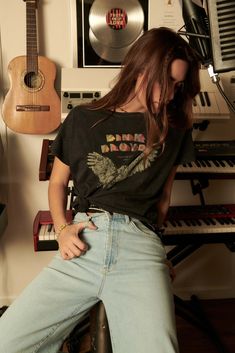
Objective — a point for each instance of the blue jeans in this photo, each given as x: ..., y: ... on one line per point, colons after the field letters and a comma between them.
x: 124, y: 267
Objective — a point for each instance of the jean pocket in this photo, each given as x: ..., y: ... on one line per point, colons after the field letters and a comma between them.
x: 84, y: 217
x: 80, y: 217
x: 142, y: 229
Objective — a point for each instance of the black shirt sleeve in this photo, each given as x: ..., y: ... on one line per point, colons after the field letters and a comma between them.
x: 187, y: 152
x: 61, y: 145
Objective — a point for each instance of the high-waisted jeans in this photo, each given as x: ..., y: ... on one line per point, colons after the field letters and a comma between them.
x: 124, y: 267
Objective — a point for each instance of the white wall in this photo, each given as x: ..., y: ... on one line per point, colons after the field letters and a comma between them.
x: 208, y: 273
x: 20, y: 186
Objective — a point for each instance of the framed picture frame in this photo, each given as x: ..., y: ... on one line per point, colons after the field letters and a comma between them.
x: 103, y: 30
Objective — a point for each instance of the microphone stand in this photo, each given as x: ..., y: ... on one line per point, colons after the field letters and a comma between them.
x: 213, y: 75
x: 190, y: 34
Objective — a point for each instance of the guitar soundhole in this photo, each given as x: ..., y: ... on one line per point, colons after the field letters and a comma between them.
x: 33, y: 81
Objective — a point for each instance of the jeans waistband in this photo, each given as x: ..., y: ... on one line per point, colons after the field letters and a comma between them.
x: 97, y: 210
x: 149, y: 225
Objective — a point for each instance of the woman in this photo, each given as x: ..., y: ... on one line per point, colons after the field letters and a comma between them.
x: 122, y: 153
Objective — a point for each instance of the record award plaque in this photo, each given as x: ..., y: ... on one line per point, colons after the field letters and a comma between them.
x: 106, y: 29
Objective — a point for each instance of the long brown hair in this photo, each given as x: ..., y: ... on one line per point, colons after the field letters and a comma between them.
x: 152, y: 54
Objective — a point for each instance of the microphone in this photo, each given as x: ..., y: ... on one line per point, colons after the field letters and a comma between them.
x: 197, y: 29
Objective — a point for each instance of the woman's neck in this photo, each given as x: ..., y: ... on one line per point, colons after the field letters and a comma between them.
x: 133, y: 106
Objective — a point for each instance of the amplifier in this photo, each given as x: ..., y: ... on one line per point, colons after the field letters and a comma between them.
x: 82, y: 85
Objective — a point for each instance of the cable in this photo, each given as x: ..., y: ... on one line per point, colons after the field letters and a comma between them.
x: 216, y: 80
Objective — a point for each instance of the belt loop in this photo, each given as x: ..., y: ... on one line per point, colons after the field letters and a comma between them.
x: 108, y: 215
x: 127, y: 219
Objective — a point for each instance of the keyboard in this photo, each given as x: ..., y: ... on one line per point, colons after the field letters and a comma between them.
x: 209, y: 104
x: 184, y: 224
x: 44, y: 232
x: 206, y: 224
x: 214, y: 159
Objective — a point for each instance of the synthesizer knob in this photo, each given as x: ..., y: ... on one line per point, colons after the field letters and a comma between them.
x: 69, y: 106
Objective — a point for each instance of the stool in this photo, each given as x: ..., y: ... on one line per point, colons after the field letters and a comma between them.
x: 99, y: 330
x: 91, y: 334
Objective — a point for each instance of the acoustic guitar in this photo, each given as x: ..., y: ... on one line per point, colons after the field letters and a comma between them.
x: 31, y: 105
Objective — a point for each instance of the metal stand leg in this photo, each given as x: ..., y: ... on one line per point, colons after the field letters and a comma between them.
x: 192, y: 311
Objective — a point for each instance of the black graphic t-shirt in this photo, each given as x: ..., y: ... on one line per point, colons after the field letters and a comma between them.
x: 107, y: 164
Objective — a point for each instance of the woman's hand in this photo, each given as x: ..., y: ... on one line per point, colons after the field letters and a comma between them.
x: 70, y: 244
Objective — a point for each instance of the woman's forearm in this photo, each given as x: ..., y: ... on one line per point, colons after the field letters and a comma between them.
x: 57, y: 195
x: 57, y: 192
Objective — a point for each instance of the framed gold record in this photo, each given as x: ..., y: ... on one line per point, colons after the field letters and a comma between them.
x: 106, y: 29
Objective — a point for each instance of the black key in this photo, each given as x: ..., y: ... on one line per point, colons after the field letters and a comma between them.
x: 222, y: 163
x: 173, y: 223
x: 198, y: 222
x: 49, y: 227
x: 206, y: 221
x: 207, y: 163
x: 186, y: 221
x: 212, y: 221
x: 193, y: 222
x: 226, y: 220
x: 230, y: 163
x: 202, y: 99
x: 207, y: 98
x: 179, y: 223
x: 216, y: 163
x: 232, y: 220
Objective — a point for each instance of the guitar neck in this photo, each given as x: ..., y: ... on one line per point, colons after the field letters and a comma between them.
x: 31, y: 36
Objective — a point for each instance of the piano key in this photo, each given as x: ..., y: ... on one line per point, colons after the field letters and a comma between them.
x: 44, y: 232
x: 41, y: 233
x: 202, y: 102
x: 207, y: 166
x: 212, y: 221
x: 203, y: 163
x: 230, y: 163
x: 205, y: 226
x: 199, y: 224
x: 209, y: 104
x: 207, y: 98
x: 203, y: 108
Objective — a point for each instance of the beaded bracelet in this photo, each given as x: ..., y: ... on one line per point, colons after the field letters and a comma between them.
x: 63, y: 226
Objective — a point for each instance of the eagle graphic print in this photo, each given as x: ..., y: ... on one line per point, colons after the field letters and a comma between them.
x: 105, y: 169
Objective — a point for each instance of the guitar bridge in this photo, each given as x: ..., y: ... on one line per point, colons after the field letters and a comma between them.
x: 32, y: 108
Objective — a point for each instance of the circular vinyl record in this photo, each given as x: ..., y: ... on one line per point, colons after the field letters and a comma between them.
x: 116, y: 23
x: 114, y: 55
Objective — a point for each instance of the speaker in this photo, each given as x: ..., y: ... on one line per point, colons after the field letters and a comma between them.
x: 221, y: 15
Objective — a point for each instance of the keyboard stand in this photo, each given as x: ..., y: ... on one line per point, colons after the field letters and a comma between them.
x: 192, y: 311
x: 197, y: 188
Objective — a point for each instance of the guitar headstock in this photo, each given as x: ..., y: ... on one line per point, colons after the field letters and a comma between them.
x: 35, y: 2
